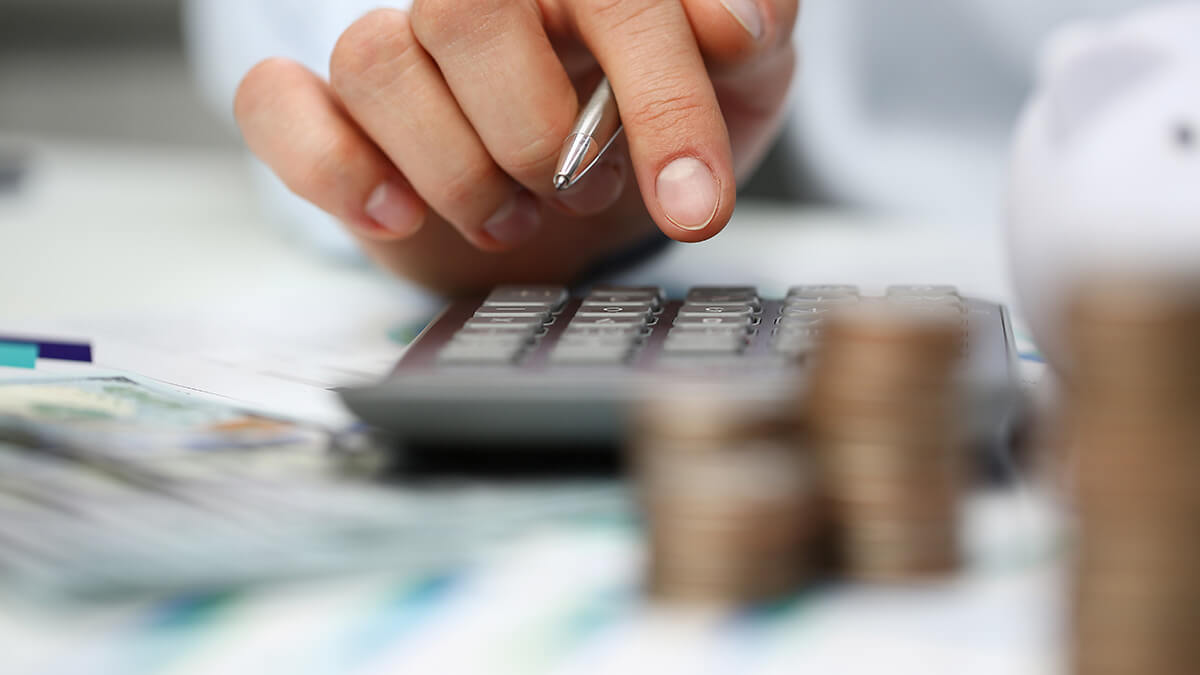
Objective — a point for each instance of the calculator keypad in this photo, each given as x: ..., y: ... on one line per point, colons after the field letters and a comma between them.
x: 609, y: 327
x: 616, y: 325
x: 506, y: 325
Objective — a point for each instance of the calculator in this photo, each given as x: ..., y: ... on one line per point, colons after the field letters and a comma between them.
x: 533, y: 366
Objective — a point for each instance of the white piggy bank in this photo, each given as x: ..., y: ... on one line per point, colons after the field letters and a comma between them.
x: 1105, y: 174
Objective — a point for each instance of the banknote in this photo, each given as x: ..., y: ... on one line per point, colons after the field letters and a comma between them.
x: 110, y: 486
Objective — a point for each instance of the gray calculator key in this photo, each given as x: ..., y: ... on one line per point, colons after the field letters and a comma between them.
x: 593, y: 311
x: 506, y: 331
x: 680, y: 343
x: 693, y: 310
x: 827, y: 301
x: 788, y: 321
x: 635, y: 298
x: 922, y: 290
x: 590, y: 355
x: 724, y: 295
x: 652, y: 294
x: 601, y: 340
x: 631, y: 330
x: 553, y: 297
x: 795, y: 331
x: 511, y: 323
x: 807, y: 309
x: 794, y: 345
x: 611, y: 320
x: 478, y: 354
x: 539, y: 312
x: 609, y: 301
x: 823, y: 291
x: 513, y: 339
x: 927, y: 301
x: 740, y: 323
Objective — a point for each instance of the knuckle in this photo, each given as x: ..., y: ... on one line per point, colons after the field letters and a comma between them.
x: 538, y: 154
x: 371, y: 46
x: 436, y: 22
x: 613, y: 14
x: 440, y: 22
x: 460, y: 194
x: 668, y: 106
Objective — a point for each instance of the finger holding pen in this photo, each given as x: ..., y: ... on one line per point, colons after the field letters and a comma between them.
x: 677, y: 137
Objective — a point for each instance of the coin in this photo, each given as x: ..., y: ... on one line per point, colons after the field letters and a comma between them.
x: 883, y: 408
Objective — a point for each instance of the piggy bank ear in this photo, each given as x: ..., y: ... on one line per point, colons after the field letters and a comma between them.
x: 1085, y: 71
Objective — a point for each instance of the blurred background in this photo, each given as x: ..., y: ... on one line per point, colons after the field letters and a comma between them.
x: 108, y: 71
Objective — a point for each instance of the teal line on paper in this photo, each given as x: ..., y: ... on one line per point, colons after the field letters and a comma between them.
x: 17, y: 355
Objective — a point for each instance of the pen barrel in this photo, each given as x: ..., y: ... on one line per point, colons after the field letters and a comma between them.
x: 600, y: 120
x: 598, y: 125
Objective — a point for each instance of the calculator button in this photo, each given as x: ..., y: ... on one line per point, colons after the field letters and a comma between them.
x: 470, y: 354
x: 823, y: 291
x: 630, y: 330
x: 952, y: 301
x: 724, y: 295
x: 509, y: 323
x: 634, y: 298
x: 539, y: 312
x: 609, y: 320
x: 587, y: 354
x: 709, y: 330
x: 553, y: 297
x: 797, y: 321
x: 793, y: 345
x: 683, y: 343
x: 922, y: 290
x: 692, y: 310
x: 807, y: 308
x: 601, y: 310
x: 826, y: 301
x: 653, y: 294
x: 741, y: 323
x: 491, y: 338
x: 598, y: 340
x: 789, y: 331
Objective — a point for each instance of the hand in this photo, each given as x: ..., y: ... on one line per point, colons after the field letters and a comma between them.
x: 436, y: 139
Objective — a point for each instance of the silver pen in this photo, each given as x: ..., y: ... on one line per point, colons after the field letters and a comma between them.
x: 598, y: 126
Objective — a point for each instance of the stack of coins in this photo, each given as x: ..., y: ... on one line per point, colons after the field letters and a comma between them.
x: 729, y: 495
x: 1134, y: 414
x: 882, y: 407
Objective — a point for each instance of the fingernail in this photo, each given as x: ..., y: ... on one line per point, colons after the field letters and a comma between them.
x: 395, y: 209
x: 597, y: 190
x: 688, y: 193
x: 746, y: 12
x: 516, y: 221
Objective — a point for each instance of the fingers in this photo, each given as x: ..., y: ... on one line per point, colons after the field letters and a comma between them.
x: 396, y: 93
x: 731, y: 33
x: 677, y: 137
x: 291, y: 121
x: 504, y: 73
x: 600, y: 187
x: 748, y: 47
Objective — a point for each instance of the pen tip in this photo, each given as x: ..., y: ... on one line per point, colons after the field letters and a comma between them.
x: 560, y: 182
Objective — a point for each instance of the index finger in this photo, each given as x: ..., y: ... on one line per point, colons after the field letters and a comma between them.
x: 677, y: 135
